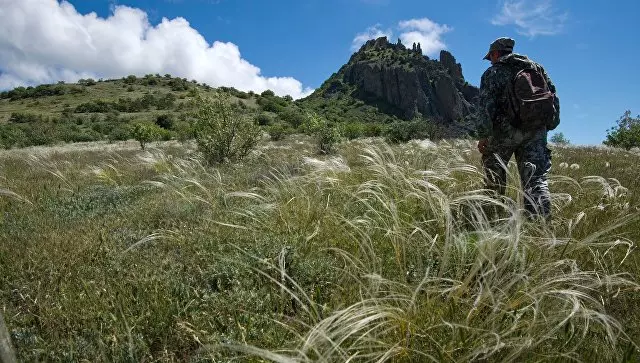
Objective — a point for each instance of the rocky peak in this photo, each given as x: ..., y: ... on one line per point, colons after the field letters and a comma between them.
x: 400, y: 80
x: 449, y: 63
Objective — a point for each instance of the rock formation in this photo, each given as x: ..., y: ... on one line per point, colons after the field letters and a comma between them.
x: 404, y: 82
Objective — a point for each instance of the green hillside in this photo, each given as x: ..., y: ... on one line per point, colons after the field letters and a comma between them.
x: 106, y: 110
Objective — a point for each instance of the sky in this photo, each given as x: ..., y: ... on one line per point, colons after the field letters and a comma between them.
x: 589, y: 48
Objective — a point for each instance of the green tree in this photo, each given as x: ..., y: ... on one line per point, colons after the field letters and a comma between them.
x: 326, y: 135
x: 165, y: 121
x: 145, y: 133
x: 626, y: 133
x: 559, y: 138
x: 224, y: 132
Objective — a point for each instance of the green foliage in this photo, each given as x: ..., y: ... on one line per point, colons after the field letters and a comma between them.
x: 267, y: 93
x: 326, y: 136
x: 87, y: 82
x: 418, y: 128
x: 145, y: 133
x: 44, y: 90
x: 144, y: 103
x: 264, y: 119
x: 293, y: 116
x: 559, y: 138
x: 278, y: 131
x: 20, y: 117
x: 626, y: 133
x: 224, y: 132
x: 165, y: 121
x: 352, y: 130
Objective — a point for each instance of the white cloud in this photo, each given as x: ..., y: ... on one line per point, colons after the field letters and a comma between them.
x: 531, y: 18
x: 373, y: 32
x: 44, y: 41
x: 424, y: 31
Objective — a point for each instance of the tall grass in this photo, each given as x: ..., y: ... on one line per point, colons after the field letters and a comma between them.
x: 380, y: 253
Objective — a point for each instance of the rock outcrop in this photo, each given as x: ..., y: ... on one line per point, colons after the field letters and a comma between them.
x: 404, y: 82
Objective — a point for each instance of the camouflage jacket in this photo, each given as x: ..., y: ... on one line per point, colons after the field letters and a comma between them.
x: 493, y: 99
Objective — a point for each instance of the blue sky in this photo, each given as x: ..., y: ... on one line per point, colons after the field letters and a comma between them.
x: 589, y: 48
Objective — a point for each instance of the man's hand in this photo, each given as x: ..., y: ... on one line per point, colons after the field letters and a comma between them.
x: 482, y: 145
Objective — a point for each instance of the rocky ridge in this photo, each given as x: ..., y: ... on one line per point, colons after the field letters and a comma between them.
x: 403, y: 82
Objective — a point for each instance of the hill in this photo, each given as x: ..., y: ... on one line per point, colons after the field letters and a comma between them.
x: 385, y: 82
x: 93, y: 110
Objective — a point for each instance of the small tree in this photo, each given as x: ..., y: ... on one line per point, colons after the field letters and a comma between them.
x: 224, y: 132
x: 559, y: 138
x: 626, y: 133
x: 326, y: 135
x: 145, y: 133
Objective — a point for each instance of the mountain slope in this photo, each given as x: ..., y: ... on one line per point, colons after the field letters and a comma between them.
x: 385, y: 81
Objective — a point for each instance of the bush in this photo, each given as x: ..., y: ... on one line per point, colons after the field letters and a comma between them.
x: 165, y: 121
x: 325, y: 134
x: 418, y: 128
x: 278, y: 131
x: 264, y: 119
x: 222, y: 132
x: 293, y: 117
x: 352, y: 130
x: 119, y: 133
x: 559, y: 138
x: 626, y: 134
x: 145, y: 133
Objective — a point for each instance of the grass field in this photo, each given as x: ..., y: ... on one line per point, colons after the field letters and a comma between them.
x: 377, y: 253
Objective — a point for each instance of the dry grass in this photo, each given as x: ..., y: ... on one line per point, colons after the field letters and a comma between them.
x: 378, y: 253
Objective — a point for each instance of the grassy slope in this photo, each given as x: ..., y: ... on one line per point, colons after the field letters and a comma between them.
x: 110, y: 90
x: 115, y: 254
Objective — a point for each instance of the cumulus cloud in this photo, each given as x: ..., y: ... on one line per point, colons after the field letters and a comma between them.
x: 372, y: 32
x: 44, y: 41
x: 531, y: 18
x: 424, y: 31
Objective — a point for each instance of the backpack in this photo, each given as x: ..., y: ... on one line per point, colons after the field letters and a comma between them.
x: 531, y: 103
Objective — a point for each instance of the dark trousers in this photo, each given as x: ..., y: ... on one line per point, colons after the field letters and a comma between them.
x: 534, y: 163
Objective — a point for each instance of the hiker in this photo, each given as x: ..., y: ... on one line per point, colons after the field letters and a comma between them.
x: 518, y: 105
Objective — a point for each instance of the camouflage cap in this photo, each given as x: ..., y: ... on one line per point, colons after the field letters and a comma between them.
x: 501, y: 44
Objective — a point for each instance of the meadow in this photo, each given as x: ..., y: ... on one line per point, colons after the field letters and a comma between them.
x: 375, y: 253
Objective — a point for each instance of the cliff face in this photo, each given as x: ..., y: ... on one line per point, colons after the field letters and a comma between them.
x: 404, y: 82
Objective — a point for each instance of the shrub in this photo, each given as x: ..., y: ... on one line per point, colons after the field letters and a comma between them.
x: 293, y: 117
x: 223, y: 132
x: 145, y: 133
x: 324, y: 134
x: 19, y: 117
x: 264, y: 119
x: 165, y: 121
x: 418, y: 128
x: 87, y: 82
x: 278, y: 131
x: 11, y: 135
x: 626, y: 133
x: 119, y: 133
x: 559, y: 138
x: 352, y: 130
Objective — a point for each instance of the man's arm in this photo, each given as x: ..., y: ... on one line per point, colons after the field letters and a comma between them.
x: 487, y: 106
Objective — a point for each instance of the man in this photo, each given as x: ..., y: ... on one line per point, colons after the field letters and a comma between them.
x: 501, y: 135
